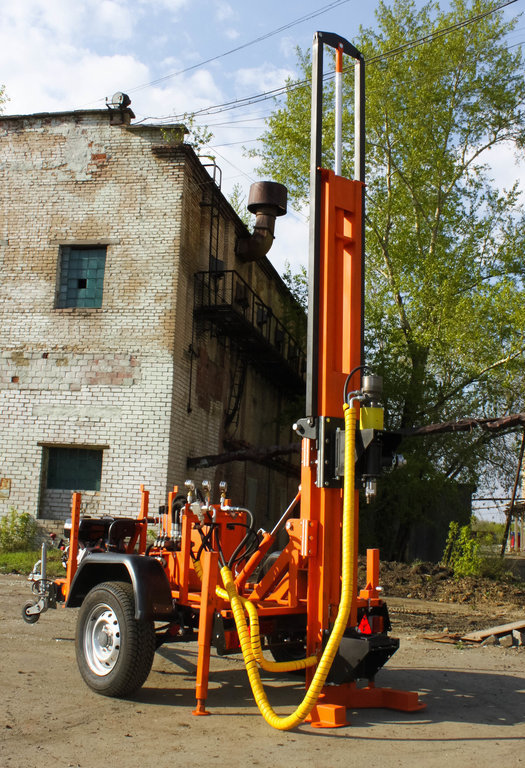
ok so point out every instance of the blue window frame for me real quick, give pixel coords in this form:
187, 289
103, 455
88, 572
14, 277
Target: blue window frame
81, 279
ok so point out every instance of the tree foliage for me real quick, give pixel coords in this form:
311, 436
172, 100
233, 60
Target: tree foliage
445, 270
297, 283
3, 98
198, 136
238, 202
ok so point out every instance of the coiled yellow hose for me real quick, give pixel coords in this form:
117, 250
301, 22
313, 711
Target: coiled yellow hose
255, 635
348, 588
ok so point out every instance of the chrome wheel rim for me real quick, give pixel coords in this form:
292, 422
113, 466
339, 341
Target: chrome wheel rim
102, 639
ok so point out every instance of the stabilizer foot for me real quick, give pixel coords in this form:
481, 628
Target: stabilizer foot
349, 695
200, 710
328, 716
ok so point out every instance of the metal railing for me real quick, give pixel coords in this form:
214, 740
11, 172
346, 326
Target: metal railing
226, 299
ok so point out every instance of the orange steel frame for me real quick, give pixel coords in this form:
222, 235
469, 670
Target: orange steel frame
339, 353
305, 579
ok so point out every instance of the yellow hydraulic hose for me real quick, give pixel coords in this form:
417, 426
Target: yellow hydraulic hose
255, 635
347, 591
255, 641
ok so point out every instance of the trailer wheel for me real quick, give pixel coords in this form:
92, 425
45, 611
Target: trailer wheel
31, 618
114, 650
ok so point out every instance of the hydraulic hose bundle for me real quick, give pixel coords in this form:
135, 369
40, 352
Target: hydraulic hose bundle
250, 638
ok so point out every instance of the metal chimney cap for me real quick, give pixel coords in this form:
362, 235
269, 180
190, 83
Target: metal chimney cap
268, 195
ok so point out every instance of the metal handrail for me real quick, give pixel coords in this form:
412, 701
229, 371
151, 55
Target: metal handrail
227, 289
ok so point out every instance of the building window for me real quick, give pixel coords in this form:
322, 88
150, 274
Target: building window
81, 278
74, 469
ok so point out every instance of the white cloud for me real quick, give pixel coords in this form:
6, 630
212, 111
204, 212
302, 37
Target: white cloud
184, 94
223, 11
287, 47
169, 5
62, 55
231, 34
260, 79
63, 19
71, 78
114, 19
224, 15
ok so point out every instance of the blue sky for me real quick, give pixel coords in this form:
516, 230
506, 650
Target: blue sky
72, 54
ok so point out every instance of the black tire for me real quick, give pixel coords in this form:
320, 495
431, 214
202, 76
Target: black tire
267, 563
114, 650
294, 650
31, 618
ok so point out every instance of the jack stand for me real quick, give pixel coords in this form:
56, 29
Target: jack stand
210, 562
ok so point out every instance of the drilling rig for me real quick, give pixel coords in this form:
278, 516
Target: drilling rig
207, 576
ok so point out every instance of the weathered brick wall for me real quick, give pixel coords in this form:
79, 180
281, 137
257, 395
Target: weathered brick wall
87, 377
121, 403
117, 377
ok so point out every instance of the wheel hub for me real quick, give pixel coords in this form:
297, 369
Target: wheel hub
102, 640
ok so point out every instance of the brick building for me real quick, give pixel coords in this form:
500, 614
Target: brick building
139, 321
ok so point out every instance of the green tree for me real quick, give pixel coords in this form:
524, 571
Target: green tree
238, 201
198, 136
297, 283
3, 98
445, 293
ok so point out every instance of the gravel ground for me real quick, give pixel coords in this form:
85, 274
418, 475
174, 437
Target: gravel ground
475, 697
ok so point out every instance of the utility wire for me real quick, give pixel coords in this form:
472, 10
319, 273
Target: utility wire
329, 7
432, 36
276, 92
293, 212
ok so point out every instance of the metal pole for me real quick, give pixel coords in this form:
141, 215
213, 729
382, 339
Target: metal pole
338, 109
312, 351
359, 119
514, 491
340, 45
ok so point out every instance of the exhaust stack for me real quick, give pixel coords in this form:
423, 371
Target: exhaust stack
267, 200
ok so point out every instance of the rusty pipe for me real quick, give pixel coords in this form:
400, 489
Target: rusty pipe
267, 200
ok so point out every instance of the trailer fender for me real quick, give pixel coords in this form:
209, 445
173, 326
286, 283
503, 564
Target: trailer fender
150, 584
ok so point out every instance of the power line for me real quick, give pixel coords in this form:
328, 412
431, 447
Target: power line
295, 214
287, 88
272, 33
491, 498
432, 36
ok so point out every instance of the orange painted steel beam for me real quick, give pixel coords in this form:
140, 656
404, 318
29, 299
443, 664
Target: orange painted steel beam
141, 530
371, 591
210, 570
267, 540
171, 499
143, 515
339, 334
73, 542
340, 309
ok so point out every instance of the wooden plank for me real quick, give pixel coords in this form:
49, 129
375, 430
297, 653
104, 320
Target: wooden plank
503, 629
443, 638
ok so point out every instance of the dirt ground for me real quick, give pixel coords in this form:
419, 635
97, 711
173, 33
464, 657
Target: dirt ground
433, 601
475, 696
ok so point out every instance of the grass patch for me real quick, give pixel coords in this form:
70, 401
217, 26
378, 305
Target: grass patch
23, 562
